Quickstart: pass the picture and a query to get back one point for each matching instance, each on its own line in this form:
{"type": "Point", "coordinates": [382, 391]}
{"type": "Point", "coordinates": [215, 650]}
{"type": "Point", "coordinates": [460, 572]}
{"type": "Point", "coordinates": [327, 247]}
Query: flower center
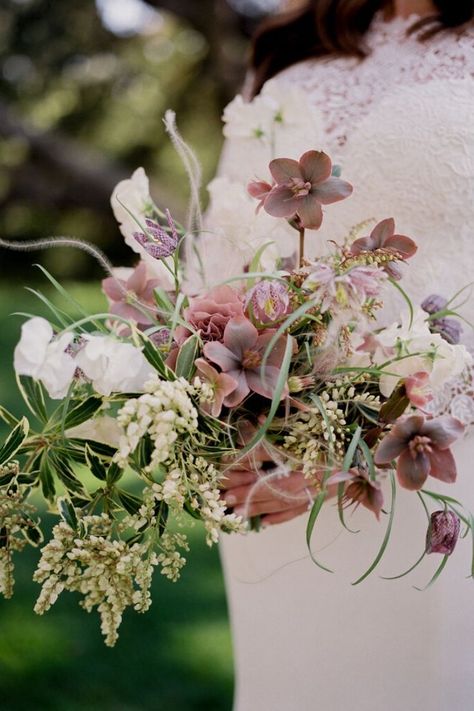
{"type": "Point", "coordinates": [419, 445]}
{"type": "Point", "coordinates": [299, 187]}
{"type": "Point", "coordinates": [251, 359]}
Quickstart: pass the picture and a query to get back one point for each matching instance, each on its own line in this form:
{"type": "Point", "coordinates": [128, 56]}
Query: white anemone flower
{"type": "Point", "coordinates": [113, 366]}
{"type": "Point", "coordinates": [421, 351]}
{"type": "Point", "coordinates": [43, 357]}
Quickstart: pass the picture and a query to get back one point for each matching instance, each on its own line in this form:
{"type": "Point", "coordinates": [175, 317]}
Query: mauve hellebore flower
{"type": "Point", "coordinates": [156, 241]}
{"type": "Point", "coordinates": [241, 356]}
{"type": "Point", "coordinates": [383, 238]}
{"type": "Point", "coordinates": [422, 449]}
{"type": "Point", "coordinates": [301, 188]}
{"type": "Point", "coordinates": [443, 532]}
{"type": "Point", "coordinates": [222, 385]}
{"type": "Point", "coordinates": [123, 295]}
{"type": "Point", "coordinates": [360, 489]}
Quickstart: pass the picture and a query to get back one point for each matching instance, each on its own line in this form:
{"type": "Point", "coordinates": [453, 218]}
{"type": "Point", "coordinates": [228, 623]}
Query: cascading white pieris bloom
{"type": "Point", "coordinates": [43, 357]}
{"type": "Point", "coordinates": [430, 353]}
{"type": "Point", "coordinates": [113, 366]}
{"type": "Point", "coordinates": [163, 412]}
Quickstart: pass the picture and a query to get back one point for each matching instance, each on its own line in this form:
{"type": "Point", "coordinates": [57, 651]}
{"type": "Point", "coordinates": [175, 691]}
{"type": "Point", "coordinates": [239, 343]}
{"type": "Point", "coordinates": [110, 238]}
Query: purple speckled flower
{"type": "Point", "coordinates": [157, 241]}
{"type": "Point", "coordinates": [443, 532]}
{"type": "Point", "coordinates": [269, 300]}
{"type": "Point", "coordinates": [448, 328]}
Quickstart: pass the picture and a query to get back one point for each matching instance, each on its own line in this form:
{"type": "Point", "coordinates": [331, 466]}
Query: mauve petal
{"type": "Point", "coordinates": [240, 335]}
{"type": "Point", "coordinates": [264, 386]}
{"type": "Point", "coordinates": [405, 246]}
{"type": "Point", "coordinates": [316, 166]}
{"type": "Point", "coordinates": [218, 353]}
{"type": "Point", "coordinates": [148, 292]}
{"type": "Point", "coordinates": [114, 288]}
{"type": "Point", "coordinates": [226, 384]}
{"type": "Point", "coordinates": [310, 212]}
{"type": "Point", "coordinates": [413, 472]}
{"type": "Point", "coordinates": [443, 431]}
{"type": "Point", "coordinates": [225, 295]}
{"type": "Point", "coordinates": [281, 202]}
{"type": "Point", "coordinates": [258, 188]}
{"type": "Point", "coordinates": [137, 280]}
{"type": "Point", "coordinates": [363, 244]}
{"type": "Point", "coordinates": [332, 190]}
{"type": "Point", "coordinates": [282, 169]}
{"type": "Point", "coordinates": [389, 449]}
{"type": "Point", "coordinates": [130, 312]}
{"type": "Point", "coordinates": [206, 370]}
{"type": "Point", "coordinates": [443, 465]}
{"type": "Point", "coordinates": [407, 427]}
{"type": "Point", "coordinates": [278, 351]}
{"type": "Point", "coordinates": [382, 231]}
{"type": "Point", "coordinates": [241, 391]}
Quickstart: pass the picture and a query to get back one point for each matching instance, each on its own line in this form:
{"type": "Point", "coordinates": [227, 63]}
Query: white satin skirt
{"type": "Point", "coordinates": [307, 640]}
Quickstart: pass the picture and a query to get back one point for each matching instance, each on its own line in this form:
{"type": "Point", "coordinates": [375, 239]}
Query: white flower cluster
{"type": "Point", "coordinates": [110, 573]}
{"type": "Point", "coordinates": [16, 517]}
{"type": "Point", "coordinates": [313, 438]}
{"type": "Point", "coordinates": [197, 481]}
{"type": "Point", "coordinates": [170, 558]}
{"type": "Point", "coordinates": [109, 364]}
{"type": "Point", "coordinates": [164, 412]}
{"type": "Point", "coordinates": [426, 351]}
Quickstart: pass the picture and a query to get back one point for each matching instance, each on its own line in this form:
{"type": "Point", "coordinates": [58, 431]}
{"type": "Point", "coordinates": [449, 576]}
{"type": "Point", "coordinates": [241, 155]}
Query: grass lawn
{"type": "Point", "coordinates": [176, 657]}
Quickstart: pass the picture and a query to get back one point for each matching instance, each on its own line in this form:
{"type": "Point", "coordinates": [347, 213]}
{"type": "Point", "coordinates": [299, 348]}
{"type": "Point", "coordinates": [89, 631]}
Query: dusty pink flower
{"type": "Point", "coordinates": [360, 489]}
{"type": "Point", "coordinates": [269, 300]}
{"type": "Point", "coordinates": [302, 187]}
{"type": "Point", "coordinates": [259, 190]}
{"type": "Point", "coordinates": [123, 296]}
{"type": "Point", "coordinates": [417, 389]}
{"type": "Point", "coordinates": [443, 532]}
{"type": "Point", "coordinates": [241, 356]}
{"type": "Point", "coordinates": [348, 289]}
{"type": "Point", "coordinates": [421, 448]}
{"type": "Point", "coordinates": [383, 237]}
{"type": "Point", "coordinates": [209, 314]}
{"type": "Point", "coordinates": [158, 241]}
{"type": "Point", "coordinates": [222, 385]}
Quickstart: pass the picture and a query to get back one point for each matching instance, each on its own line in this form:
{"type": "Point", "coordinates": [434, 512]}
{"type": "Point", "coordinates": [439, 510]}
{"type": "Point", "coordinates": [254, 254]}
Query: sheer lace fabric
{"type": "Point", "coordinates": [400, 125]}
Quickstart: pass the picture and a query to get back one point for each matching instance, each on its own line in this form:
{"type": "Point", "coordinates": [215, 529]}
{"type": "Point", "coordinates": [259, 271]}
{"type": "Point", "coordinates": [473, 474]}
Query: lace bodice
{"type": "Point", "coordinates": [400, 124]}
{"type": "Point", "coordinates": [346, 89]}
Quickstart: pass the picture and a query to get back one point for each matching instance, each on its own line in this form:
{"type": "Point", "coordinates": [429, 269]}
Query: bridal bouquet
{"type": "Point", "coordinates": [134, 415]}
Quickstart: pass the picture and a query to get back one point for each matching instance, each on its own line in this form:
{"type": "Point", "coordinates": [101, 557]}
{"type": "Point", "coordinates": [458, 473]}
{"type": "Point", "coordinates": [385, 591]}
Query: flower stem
{"type": "Point", "coordinates": [301, 231]}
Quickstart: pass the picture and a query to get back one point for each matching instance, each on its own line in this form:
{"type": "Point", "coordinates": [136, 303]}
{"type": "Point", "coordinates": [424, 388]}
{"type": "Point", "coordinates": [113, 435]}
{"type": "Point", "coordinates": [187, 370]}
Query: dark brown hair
{"type": "Point", "coordinates": [325, 27]}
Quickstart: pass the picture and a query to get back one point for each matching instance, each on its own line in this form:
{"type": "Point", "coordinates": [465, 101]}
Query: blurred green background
{"type": "Point", "coordinates": [83, 88]}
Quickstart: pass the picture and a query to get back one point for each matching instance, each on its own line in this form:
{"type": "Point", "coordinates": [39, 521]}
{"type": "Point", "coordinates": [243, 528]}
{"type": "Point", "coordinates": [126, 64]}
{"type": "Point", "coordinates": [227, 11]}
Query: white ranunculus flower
{"type": "Point", "coordinates": [113, 366]}
{"type": "Point", "coordinates": [103, 429]}
{"type": "Point", "coordinates": [442, 361]}
{"type": "Point", "coordinates": [131, 203]}
{"type": "Point", "coordinates": [43, 357]}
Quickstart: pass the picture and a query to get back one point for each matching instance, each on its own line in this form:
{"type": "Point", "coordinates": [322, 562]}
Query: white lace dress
{"type": "Point", "coordinates": [401, 125]}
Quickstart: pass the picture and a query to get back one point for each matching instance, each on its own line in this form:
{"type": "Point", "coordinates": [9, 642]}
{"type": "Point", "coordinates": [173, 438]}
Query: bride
{"type": "Point", "coordinates": [393, 84]}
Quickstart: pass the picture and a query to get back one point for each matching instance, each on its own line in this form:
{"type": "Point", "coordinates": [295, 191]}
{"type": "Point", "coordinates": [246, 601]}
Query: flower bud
{"type": "Point", "coordinates": [434, 303]}
{"type": "Point", "coordinates": [443, 532]}
{"type": "Point", "coordinates": [450, 329]}
{"type": "Point", "coordinates": [298, 383]}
